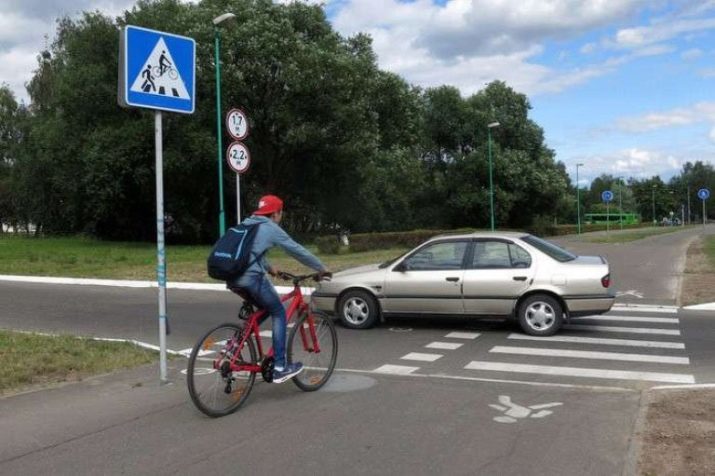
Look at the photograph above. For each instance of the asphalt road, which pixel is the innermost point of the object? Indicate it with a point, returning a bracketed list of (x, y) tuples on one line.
[(411, 396)]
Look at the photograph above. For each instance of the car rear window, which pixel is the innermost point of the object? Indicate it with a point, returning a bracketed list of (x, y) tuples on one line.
[(548, 248)]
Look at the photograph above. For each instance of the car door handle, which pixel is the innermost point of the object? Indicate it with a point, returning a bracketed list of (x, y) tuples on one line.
[(452, 280), (519, 278)]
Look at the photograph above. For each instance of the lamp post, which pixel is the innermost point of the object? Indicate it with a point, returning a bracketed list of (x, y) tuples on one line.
[(620, 202), (578, 200), (490, 126), (219, 132), (653, 201)]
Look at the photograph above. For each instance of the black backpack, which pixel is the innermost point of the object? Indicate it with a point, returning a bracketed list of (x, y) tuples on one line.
[(230, 256)]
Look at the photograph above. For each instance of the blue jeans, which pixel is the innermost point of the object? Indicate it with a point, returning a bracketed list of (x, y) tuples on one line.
[(265, 295)]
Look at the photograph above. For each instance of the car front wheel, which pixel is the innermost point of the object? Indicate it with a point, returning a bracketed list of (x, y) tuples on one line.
[(357, 310), (540, 315)]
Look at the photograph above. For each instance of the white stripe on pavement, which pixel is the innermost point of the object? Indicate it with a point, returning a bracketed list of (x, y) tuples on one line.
[(444, 345), (596, 340), (610, 317), (395, 369), (463, 335), (642, 308), (580, 372), (582, 354), (628, 330), (421, 357)]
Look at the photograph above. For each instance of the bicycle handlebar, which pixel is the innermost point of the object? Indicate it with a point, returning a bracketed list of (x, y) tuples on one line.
[(297, 279)]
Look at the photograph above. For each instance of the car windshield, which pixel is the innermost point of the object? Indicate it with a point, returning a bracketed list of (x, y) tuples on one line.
[(390, 261), (556, 252)]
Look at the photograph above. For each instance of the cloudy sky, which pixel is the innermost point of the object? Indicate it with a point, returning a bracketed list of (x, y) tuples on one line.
[(625, 87)]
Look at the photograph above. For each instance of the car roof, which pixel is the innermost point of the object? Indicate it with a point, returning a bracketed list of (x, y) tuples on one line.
[(484, 234)]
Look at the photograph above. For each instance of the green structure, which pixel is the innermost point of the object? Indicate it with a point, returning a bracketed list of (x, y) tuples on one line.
[(604, 218)]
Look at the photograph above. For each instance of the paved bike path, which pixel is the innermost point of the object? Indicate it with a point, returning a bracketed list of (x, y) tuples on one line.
[(361, 424)]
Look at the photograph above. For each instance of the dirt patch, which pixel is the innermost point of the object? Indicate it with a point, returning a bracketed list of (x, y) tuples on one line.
[(698, 277), (679, 435)]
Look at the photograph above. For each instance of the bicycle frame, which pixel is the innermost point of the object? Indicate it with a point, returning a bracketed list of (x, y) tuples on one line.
[(252, 330)]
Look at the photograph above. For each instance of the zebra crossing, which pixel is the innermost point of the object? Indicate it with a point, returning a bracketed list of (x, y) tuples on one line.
[(630, 344)]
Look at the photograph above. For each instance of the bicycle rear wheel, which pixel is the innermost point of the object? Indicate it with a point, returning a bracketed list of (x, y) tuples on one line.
[(314, 342), (215, 386)]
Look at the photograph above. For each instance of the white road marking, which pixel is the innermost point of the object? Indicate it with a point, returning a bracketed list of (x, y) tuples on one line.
[(644, 308), (582, 354), (580, 372), (395, 369), (463, 335), (628, 330), (596, 340), (444, 345), (611, 317), (421, 357), (494, 380)]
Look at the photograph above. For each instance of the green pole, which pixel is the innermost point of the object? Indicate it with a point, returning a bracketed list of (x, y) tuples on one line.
[(221, 216), (620, 203), (578, 201), (653, 202), (491, 180)]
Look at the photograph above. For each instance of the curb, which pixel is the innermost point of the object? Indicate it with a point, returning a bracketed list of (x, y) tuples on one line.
[(131, 283)]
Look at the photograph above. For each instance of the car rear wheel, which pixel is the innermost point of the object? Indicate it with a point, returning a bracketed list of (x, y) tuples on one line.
[(540, 315), (357, 310)]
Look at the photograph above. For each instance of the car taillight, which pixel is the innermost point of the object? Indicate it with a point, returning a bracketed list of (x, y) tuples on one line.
[(606, 281)]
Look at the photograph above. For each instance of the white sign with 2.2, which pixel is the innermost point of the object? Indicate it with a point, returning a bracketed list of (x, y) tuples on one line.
[(238, 157)]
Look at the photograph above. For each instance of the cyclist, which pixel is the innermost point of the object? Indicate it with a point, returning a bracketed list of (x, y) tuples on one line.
[(269, 215)]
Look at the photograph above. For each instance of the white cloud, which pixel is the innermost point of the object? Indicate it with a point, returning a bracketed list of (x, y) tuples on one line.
[(691, 54), (633, 162), (663, 31), (700, 112)]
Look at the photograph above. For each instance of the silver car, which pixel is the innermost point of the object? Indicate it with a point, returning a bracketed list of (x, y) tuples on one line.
[(481, 274)]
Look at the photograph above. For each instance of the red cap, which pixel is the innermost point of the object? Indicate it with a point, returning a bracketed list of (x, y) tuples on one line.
[(269, 204)]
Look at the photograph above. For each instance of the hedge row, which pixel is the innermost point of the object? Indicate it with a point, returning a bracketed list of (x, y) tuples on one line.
[(410, 239)]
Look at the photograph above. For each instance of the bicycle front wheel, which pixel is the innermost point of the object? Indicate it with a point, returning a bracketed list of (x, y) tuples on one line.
[(217, 387), (314, 342)]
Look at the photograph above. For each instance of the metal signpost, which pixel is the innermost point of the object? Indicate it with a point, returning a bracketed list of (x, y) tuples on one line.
[(704, 194), (607, 196), (157, 70), (237, 125)]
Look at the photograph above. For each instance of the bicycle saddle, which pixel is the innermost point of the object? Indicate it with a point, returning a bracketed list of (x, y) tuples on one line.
[(243, 294)]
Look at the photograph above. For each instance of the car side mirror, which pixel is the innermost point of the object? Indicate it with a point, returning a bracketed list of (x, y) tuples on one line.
[(402, 267)]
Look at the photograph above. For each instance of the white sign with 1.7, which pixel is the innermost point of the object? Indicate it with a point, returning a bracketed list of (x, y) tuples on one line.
[(238, 157), (237, 124)]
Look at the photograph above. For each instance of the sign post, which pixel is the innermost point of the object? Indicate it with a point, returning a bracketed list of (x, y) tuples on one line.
[(704, 194), (237, 125), (157, 71), (607, 196)]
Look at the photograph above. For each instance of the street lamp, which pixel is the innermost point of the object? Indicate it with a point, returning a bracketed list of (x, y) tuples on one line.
[(219, 133), (578, 200), (490, 126)]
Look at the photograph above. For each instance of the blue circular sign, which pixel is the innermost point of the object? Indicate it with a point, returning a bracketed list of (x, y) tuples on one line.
[(704, 193), (607, 196)]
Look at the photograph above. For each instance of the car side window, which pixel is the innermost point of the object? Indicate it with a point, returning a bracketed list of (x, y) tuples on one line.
[(499, 255), (444, 255), (520, 258)]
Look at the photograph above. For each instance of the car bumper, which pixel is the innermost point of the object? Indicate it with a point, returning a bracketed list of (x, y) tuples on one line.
[(323, 301), (588, 305)]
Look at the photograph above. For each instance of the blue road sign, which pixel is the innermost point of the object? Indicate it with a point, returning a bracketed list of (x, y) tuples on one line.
[(704, 194), (607, 196), (157, 70)]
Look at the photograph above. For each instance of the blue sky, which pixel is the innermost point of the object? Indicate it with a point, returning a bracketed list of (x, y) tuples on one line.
[(626, 87)]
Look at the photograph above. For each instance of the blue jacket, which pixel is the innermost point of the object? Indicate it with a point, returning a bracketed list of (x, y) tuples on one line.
[(269, 234)]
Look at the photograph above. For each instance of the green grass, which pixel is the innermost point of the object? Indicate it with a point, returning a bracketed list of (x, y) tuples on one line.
[(616, 236), (709, 249), (90, 258), (31, 359)]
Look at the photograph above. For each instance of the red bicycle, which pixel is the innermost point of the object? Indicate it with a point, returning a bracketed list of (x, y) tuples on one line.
[(224, 362)]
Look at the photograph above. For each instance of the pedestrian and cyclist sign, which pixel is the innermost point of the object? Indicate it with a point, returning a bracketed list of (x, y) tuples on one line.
[(157, 70), (703, 194)]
